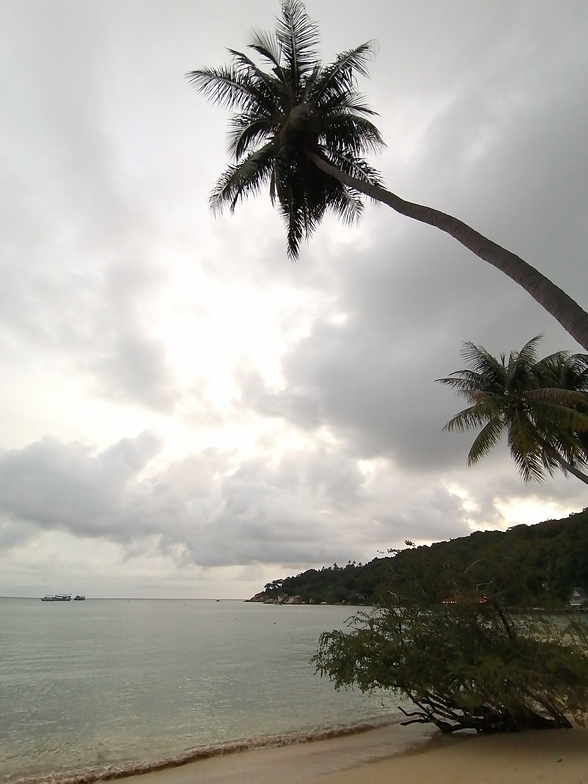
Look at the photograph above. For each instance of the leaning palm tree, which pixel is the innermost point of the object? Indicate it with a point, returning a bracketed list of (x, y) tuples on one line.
[(302, 128), (542, 406)]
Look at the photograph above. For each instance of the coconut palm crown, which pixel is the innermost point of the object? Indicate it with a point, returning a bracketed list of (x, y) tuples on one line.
[(303, 129), (541, 405), (283, 114)]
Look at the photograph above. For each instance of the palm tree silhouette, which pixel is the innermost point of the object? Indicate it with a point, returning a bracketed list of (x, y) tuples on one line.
[(303, 129), (542, 406)]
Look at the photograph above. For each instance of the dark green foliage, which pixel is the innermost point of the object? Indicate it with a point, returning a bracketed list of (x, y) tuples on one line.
[(527, 566), (352, 584), (450, 632), (465, 665), (292, 108), (540, 405), (303, 130)]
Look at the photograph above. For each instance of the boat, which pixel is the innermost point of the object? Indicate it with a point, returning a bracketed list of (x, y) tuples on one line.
[(57, 597), (79, 598)]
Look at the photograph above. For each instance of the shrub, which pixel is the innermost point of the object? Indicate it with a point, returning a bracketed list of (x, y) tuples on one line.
[(466, 665)]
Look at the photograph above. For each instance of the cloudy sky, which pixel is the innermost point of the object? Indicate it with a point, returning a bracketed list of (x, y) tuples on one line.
[(187, 413)]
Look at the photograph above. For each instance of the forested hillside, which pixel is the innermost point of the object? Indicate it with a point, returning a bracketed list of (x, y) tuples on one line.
[(536, 565)]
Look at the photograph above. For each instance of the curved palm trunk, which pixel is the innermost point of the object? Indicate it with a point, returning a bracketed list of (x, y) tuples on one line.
[(566, 467), (562, 307)]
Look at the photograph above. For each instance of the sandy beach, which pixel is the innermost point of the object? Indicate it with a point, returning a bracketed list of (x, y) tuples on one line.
[(410, 755)]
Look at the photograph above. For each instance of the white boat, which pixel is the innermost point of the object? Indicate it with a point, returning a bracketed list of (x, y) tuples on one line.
[(57, 597)]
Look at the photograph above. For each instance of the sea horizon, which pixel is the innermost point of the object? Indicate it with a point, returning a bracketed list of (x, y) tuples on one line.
[(137, 598)]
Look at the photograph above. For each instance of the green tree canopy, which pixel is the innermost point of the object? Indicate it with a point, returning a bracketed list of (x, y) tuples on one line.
[(465, 665), (529, 566), (541, 406)]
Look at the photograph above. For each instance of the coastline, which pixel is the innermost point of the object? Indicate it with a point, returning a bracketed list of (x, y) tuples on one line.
[(378, 747), (411, 755)]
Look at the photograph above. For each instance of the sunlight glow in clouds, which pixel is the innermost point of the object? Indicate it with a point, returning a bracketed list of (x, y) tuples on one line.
[(187, 413)]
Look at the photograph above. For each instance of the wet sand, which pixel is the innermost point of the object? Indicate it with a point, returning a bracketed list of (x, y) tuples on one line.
[(410, 755)]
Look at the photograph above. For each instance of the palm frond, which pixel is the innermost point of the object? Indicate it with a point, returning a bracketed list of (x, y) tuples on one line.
[(226, 87), (296, 229), (299, 40), (340, 78), (541, 404), (247, 131), (300, 221), (243, 179), (349, 206), (520, 368), (554, 419), (525, 448), (482, 362), (468, 419), (349, 133), (267, 87), (567, 444), (354, 166), (267, 46), (531, 465), (350, 102), (486, 439), (472, 385), (556, 396), (563, 370), (528, 353)]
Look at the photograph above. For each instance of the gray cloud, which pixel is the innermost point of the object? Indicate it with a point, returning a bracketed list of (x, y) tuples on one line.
[(315, 507), (304, 508), (111, 267), (67, 486), (506, 157)]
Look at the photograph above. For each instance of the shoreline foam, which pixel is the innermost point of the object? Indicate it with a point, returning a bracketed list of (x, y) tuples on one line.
[(413, 755), (424, 756), (129, 768)]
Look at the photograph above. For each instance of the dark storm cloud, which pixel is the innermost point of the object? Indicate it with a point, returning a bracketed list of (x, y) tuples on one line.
[(67, 486), (312, 508), (306, 507)]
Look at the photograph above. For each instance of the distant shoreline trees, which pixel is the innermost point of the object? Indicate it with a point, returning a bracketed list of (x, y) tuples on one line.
[(532, 566), (448, 641)]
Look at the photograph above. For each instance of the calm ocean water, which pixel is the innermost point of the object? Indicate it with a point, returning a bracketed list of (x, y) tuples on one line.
[(101, 682)]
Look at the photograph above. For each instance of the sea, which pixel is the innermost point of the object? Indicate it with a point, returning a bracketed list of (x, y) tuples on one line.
[(103, 687)]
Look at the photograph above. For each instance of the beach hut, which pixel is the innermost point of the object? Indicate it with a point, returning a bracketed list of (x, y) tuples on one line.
[(579, 598)]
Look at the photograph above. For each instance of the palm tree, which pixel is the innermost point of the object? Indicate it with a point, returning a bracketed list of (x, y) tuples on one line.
[(542, 406), (302, 128)]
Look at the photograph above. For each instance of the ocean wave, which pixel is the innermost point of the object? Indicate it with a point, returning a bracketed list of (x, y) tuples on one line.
[(121, 770)]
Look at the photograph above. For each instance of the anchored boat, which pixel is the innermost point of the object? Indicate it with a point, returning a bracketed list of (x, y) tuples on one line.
[(57, 597)]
